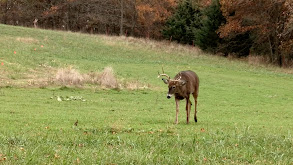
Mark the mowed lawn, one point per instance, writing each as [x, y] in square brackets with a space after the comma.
[244, 112]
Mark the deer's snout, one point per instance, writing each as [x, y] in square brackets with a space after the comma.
[169, 96]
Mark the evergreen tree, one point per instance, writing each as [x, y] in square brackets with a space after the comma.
[206, 36]
[181, 25]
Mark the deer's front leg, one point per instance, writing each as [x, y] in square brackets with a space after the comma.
[177, 110]
[188, 107]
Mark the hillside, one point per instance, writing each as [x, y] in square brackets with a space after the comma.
[28, 54]
[244, 110]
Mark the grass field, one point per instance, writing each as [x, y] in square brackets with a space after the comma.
[244, 112]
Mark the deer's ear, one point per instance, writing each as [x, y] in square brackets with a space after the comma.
[182, 82]
[165, 81]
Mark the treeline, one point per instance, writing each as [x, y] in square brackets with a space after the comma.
[143, 18]
[239, 28]
[229, 27]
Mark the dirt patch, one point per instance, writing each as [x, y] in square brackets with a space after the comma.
[71, 76]
[257, 60]
[135, 85]
[27, 40]
[165, 46]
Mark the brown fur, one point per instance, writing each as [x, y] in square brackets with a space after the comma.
[184, 84]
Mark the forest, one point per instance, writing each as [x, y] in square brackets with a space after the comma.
[238, 28]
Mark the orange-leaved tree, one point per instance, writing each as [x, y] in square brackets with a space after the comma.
[152, 15]
[269, 22]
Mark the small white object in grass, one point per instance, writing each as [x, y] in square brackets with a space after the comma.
[59, 98]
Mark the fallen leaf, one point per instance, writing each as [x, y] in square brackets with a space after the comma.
[56, 156]
[2, 63]
[76, 123]
[2, 158]
[77, 161]
[14, 52]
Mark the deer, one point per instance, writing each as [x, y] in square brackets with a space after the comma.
[181, 86]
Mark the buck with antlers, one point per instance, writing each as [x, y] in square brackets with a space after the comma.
[183, 84]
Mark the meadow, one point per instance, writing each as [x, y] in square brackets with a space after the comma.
[244, 111]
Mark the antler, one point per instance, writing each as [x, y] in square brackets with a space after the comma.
[179, 78]
[163, 74]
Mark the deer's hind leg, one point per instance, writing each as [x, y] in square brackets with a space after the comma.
[188, 107]
[195, 95]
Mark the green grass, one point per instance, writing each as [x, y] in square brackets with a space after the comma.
[244, 112]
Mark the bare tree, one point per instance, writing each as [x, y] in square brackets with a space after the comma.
[121, 16]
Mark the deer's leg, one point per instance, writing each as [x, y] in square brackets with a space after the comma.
[177, 110]
[188, 107]
[195, 105]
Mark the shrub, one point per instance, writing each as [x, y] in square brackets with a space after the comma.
[107, 78]
[69, 76]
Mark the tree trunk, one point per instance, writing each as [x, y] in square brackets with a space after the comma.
[121, 16]
[134, 18]
[271, 49]
[5, 13]
[280, 60]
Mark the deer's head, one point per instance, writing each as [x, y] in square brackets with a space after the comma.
[173, 84]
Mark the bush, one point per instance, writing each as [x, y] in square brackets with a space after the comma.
[69, 76]
[107, 78]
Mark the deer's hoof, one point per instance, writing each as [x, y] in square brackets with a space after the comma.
[195, 119]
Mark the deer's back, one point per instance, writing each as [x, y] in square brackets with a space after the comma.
[192, 80]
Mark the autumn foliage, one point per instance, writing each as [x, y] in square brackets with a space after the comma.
[238, 27]
[269, 23]
[143, 18]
